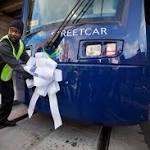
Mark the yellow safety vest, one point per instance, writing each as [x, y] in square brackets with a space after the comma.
[6, 73]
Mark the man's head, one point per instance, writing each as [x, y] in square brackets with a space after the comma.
[15, 30]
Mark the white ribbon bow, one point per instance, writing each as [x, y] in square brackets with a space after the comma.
[45, 78]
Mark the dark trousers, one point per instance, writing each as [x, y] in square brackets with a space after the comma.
[7, 93]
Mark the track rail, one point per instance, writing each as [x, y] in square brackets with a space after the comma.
[104, 138]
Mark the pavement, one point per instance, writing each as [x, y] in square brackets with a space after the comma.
[38, 133]
[127, 138]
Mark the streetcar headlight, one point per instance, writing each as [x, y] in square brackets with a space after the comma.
[111, 49]
[93, 50]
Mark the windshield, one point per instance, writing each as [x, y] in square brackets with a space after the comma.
[45, 12]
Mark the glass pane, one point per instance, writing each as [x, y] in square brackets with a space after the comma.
[45, 12]
[48, 11]
[110, 8]
[102, 8]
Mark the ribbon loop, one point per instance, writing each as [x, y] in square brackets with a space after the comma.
[45, 78]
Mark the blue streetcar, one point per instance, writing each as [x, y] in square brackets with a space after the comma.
[103, 55]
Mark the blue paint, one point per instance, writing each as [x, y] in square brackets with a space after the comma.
[99, 90]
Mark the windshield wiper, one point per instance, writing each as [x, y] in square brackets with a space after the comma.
[65, 22]
[54, 41]
[82, 12]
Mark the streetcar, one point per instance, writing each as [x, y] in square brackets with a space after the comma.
[102, 52]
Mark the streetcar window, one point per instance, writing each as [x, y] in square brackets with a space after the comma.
[44, 12]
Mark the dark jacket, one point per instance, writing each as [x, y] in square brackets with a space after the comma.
[7, 57]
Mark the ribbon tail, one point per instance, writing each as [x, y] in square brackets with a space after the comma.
[54, 110]
[33, 101]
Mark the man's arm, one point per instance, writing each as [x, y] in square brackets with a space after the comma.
[7, 57]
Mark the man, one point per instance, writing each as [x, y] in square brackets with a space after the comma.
[12, 53]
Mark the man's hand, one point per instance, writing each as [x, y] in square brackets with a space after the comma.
[27, 75]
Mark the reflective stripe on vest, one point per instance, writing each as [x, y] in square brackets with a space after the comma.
[6, 73]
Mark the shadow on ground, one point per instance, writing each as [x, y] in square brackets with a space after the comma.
[146, 130]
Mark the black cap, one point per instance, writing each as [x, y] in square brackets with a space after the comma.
[17, 24]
